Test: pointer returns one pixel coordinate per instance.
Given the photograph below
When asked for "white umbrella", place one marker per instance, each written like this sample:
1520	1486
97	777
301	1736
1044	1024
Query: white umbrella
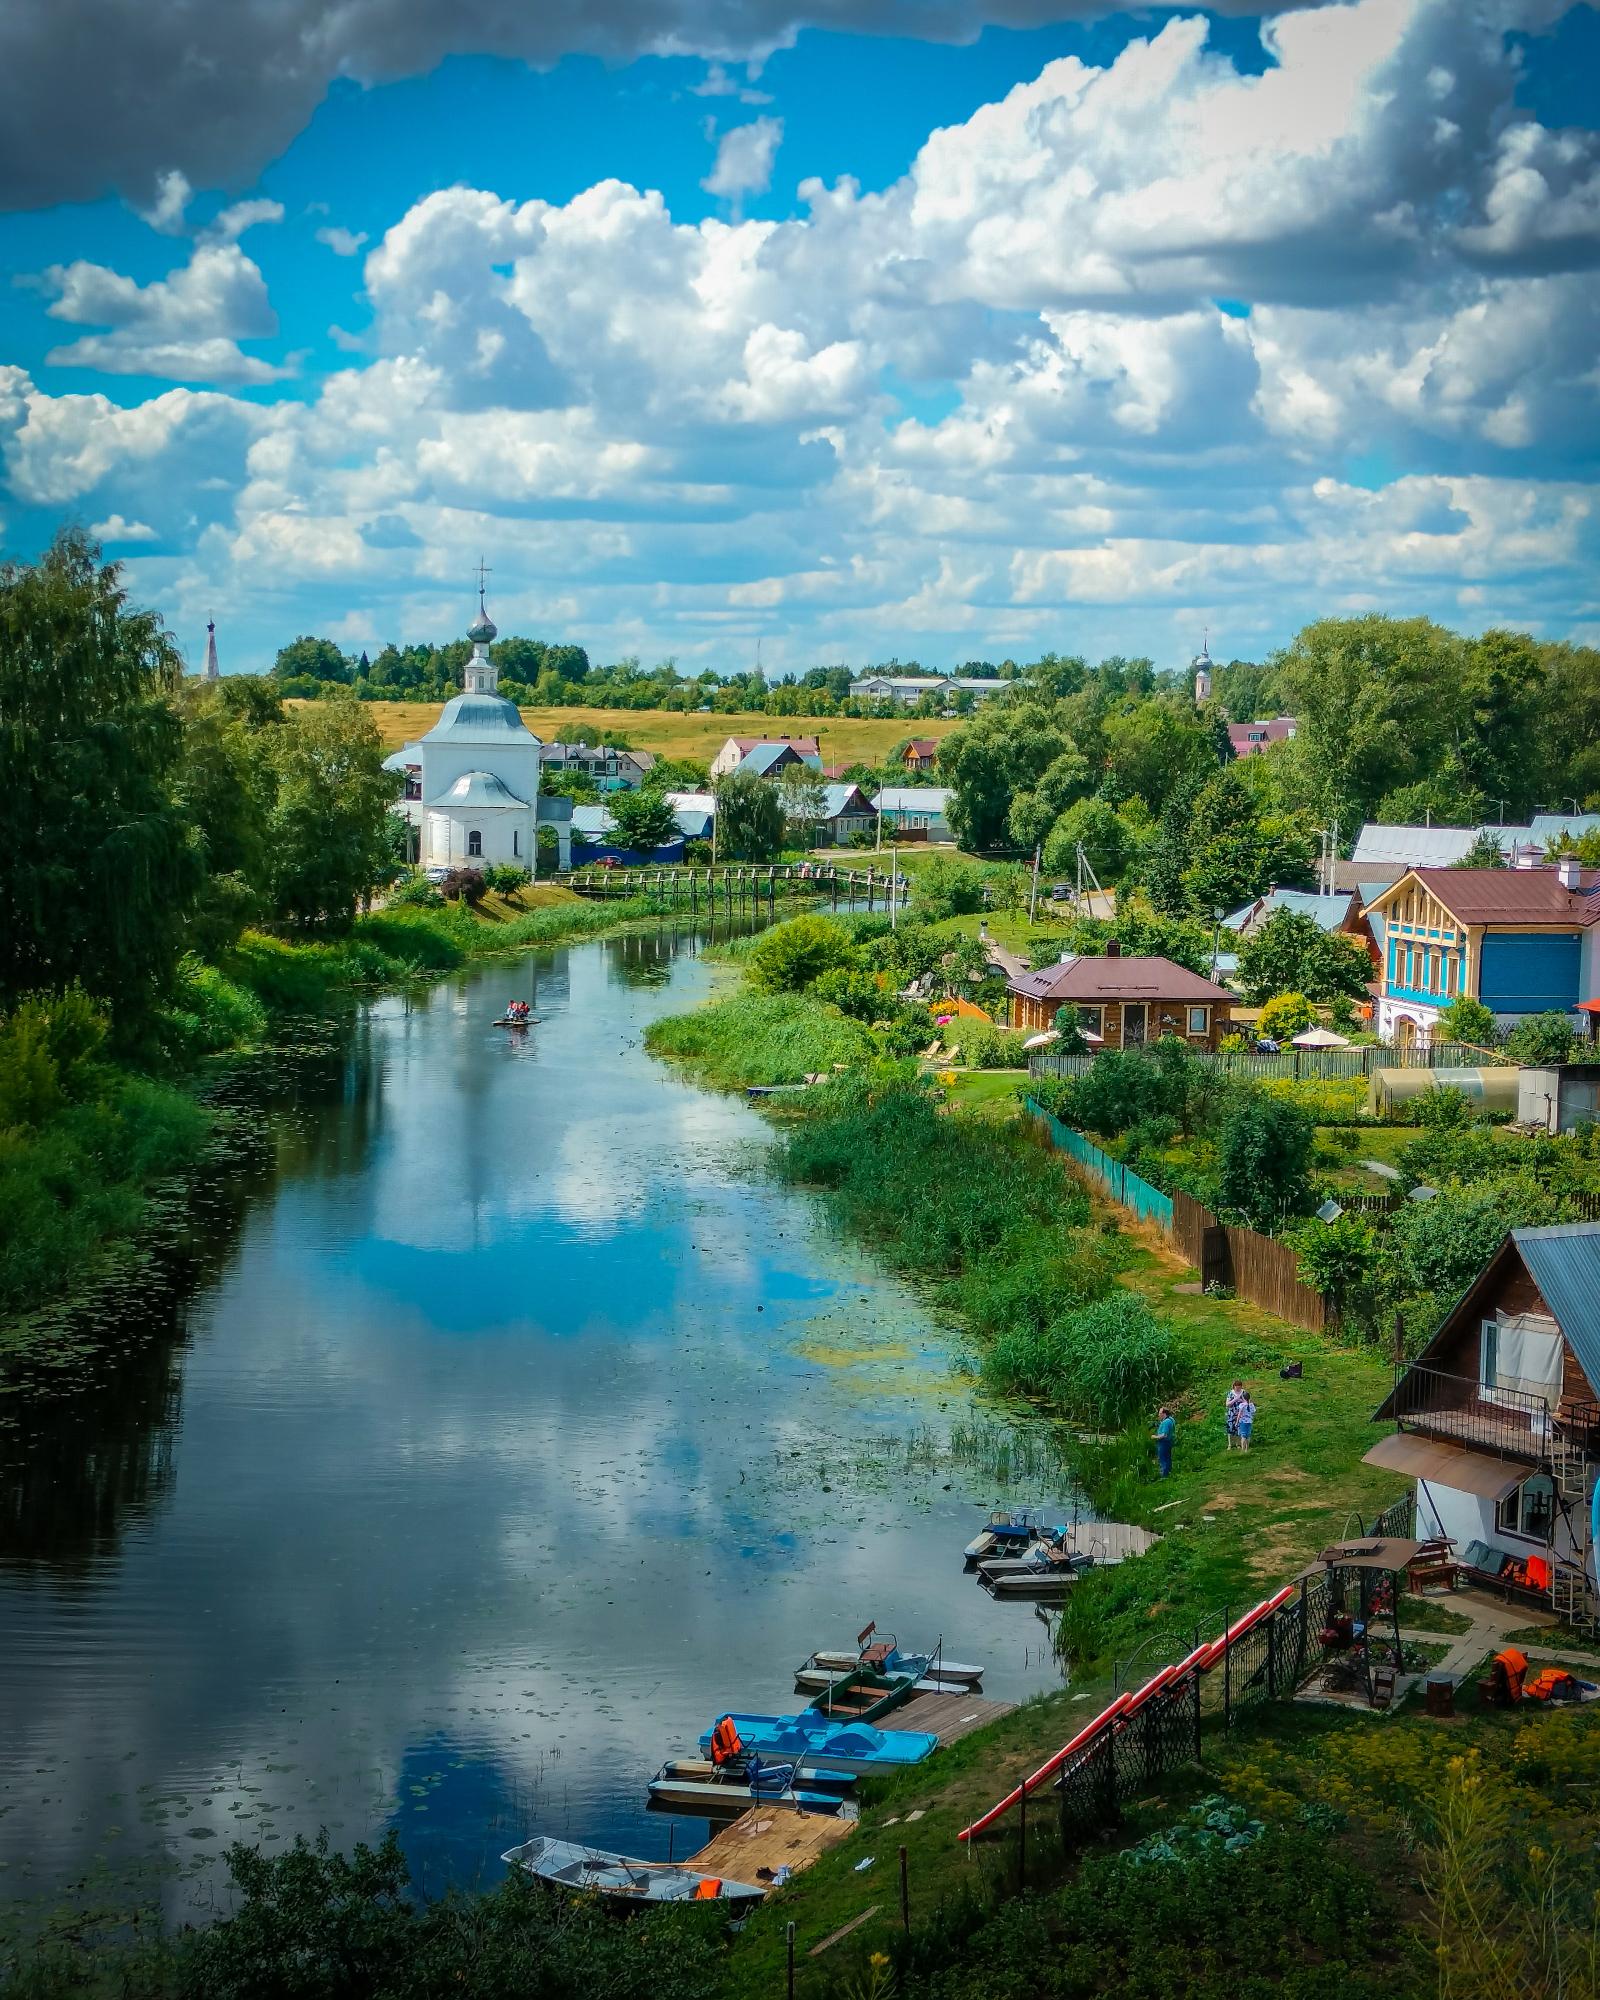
1050	1035
1319	1038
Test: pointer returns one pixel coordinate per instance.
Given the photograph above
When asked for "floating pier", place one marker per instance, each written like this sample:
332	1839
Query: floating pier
763	1839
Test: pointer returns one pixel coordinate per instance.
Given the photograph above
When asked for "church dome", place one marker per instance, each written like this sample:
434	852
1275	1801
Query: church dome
482	630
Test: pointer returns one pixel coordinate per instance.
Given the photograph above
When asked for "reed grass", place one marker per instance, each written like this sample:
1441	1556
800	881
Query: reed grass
758	1038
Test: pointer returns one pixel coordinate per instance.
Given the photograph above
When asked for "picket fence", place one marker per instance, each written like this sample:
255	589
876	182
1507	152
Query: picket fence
1303	1065
1253	1267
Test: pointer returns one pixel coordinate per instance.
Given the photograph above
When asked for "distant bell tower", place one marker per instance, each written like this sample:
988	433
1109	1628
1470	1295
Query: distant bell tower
482	676
212	669
1200	665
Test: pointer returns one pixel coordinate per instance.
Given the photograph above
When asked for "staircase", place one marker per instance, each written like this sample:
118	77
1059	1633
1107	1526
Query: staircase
1572	1595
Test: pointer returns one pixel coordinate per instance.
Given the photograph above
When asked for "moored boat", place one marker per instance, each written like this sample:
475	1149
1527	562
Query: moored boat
704	1787
564	1865
863	1694
817	1680
1043	1573
811	1739
1006	1530
884	1656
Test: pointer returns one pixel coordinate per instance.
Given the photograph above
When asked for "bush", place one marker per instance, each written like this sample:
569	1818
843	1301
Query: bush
945	887
466	885
1542	1041
210	1011
1341	1260
761	1038
793	954
1467	1020
698	853
47	1043
506	878
415	891
1103	1361
855	993
1285	1016
983	1046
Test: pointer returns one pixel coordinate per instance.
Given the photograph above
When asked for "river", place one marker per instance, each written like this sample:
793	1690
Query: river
510	1423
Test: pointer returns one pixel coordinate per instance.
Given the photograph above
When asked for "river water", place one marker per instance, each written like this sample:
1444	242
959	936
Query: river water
509	1424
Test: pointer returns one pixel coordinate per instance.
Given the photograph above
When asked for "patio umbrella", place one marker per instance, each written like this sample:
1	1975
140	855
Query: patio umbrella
1042	1041
1319	1038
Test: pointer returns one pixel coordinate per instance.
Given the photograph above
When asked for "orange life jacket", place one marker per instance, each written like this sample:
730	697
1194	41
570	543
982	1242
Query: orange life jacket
1538	1573
1514	1666
725	1743
1544	1685
708	1889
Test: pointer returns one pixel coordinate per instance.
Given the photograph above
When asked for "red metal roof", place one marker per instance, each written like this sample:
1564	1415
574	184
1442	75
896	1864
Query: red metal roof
1510	895
1120	978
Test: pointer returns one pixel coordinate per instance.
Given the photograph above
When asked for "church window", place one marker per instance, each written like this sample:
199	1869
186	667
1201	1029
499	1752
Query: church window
475	843
516	841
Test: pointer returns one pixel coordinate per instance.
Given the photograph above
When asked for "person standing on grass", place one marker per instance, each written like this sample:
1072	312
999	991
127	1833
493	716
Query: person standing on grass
1230	1410
1165	1427
1245	1417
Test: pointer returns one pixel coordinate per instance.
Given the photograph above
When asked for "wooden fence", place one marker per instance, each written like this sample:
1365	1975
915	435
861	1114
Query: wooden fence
1253	1267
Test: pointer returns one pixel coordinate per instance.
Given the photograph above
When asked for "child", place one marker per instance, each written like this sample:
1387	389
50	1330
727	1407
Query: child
1230	1410
1245	1418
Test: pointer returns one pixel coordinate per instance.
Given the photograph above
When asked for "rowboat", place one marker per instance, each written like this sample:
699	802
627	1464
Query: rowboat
563	1865
513	1021
811	1739
1007	1531
927	1666
862	1694
817	1680
707	1788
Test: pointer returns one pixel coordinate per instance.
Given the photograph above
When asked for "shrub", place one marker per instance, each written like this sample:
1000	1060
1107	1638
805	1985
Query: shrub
1542	1040
1103	1361
946	887
47	1043
761	1038
466	885
1467	1020
853	992
506	877
1285	1016
793	954
1341	1260
698	853
415	891
210	1011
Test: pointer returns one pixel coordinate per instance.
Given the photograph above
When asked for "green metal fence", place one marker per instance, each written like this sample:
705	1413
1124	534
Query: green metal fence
1120	1182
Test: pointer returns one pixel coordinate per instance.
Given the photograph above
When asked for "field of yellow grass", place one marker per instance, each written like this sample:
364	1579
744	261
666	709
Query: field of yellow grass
844	739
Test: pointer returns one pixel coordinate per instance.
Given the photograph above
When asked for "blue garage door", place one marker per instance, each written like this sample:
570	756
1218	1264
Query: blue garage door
1529	975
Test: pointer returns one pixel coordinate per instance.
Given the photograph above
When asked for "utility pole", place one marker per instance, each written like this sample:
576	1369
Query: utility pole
894	881
1033	893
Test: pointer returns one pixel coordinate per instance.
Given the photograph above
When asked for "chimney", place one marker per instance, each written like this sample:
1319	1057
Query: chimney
1567	871
1113	948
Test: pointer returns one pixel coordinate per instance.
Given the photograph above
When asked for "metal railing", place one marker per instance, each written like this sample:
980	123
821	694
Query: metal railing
1509	1422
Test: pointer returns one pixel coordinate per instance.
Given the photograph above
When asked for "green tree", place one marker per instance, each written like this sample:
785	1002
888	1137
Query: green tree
227	783
329	835
1264	1160
1286	1015
643	819
803	796
1111	839
306	658
1152	747
749	818
791	955
1485	852
946	887
1467	1020
1005	749
1292	953
1034	812
1236	850
102	867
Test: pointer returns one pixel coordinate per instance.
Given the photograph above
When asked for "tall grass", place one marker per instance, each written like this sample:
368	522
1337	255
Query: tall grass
1105	1361
73	1187
760	1038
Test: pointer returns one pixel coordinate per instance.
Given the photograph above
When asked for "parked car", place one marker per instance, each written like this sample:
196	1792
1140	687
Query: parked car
435	874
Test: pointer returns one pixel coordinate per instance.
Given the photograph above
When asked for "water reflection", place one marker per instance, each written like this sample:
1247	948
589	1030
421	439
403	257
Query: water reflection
505	1424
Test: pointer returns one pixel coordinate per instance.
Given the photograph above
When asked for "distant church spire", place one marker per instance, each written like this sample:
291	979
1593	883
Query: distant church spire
482	676
212	669
1201	667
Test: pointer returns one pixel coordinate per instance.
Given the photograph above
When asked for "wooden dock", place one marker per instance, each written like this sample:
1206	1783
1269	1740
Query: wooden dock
768	1838
947	1716
1109	1541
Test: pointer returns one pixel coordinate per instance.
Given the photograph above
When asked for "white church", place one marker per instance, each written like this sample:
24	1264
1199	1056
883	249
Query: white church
472	783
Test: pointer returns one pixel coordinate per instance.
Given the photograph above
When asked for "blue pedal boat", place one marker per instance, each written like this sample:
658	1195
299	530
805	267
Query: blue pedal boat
811	1739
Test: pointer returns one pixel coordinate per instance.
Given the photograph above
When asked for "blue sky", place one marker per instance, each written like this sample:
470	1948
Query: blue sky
1086	334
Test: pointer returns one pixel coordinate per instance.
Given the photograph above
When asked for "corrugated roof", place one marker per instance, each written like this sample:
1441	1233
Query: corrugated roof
1551	826
913	798
1564	1262
763	757
1511	895
592	820
1119	978
1412	846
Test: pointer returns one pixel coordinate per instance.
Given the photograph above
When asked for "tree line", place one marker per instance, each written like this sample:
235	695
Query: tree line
145	816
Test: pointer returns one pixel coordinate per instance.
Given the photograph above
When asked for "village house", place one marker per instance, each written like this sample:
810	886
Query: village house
607	768
1521	940
914	812
921	753
906	690
1498	1421
737	749
1126	1001
1249	739
843	811
1342	910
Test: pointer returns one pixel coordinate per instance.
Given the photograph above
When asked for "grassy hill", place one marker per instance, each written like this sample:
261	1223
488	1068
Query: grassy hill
844	739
